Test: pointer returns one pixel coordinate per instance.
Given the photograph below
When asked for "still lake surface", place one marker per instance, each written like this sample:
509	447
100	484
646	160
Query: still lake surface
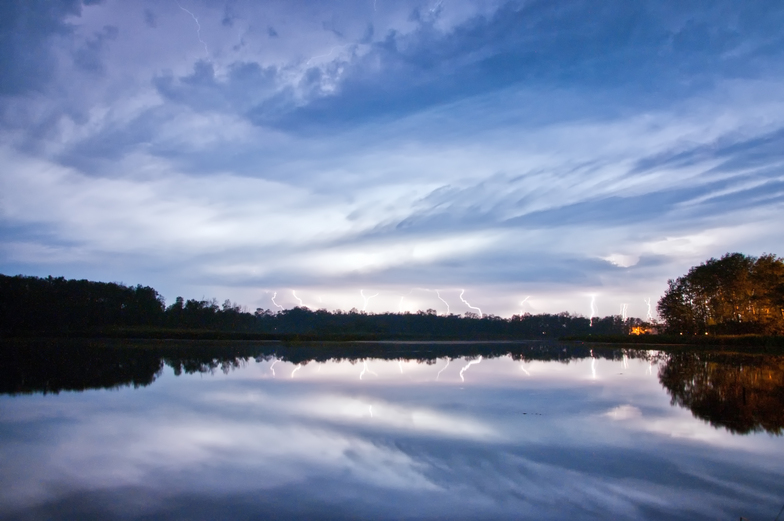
441	431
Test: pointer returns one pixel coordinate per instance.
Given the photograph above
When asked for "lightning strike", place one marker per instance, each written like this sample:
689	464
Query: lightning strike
650	313
366	370
469	364
325	55
593	366
442	300
593	309
625	362
624	308
198	27
370	410
400	365
272	367
469	305
442	369
366	299
524	370
400	305
299	366
274	295
523	302
298	299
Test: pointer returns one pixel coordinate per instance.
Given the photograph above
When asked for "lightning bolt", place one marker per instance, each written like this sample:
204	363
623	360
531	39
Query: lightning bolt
444	301
469	305
593	366
469	364
198	27
365	370
442	369
625	361
650	314
325	55
400	304
370	410
299	366
272	368
298	299
623	310
523	302
273	300
593	309
366	299
400	365
524	370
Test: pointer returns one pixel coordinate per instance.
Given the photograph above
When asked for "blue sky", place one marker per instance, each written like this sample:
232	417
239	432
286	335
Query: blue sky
554	152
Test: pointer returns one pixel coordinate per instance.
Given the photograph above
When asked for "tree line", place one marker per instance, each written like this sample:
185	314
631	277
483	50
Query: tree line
58	306
733	295
736	294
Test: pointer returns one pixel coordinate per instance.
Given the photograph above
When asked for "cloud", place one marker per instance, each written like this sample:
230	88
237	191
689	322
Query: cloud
27	33
510	146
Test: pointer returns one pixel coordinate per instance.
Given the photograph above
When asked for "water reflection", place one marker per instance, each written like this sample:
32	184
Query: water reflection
741	393
493	431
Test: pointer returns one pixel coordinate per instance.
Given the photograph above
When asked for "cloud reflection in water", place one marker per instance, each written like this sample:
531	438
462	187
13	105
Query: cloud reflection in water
549	444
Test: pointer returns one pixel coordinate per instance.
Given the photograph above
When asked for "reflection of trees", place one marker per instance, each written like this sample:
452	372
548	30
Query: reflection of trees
742	393
51	366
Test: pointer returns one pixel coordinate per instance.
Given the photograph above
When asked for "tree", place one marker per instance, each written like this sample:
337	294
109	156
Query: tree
736	294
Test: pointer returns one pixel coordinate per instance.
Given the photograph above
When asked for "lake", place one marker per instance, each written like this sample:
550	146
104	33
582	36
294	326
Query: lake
389	431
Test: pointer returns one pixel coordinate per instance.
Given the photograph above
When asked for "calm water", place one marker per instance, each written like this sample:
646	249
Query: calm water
615	434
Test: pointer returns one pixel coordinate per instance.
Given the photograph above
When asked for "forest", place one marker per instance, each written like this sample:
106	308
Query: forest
734	295
51	306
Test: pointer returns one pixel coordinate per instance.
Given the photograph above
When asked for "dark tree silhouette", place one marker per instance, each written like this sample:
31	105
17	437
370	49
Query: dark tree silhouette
58	307
736	294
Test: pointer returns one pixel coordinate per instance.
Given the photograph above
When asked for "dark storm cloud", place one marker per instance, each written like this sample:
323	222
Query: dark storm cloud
88	57
27	32
244	84
653	51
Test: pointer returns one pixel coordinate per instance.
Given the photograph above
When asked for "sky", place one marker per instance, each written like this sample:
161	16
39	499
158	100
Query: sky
533	156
